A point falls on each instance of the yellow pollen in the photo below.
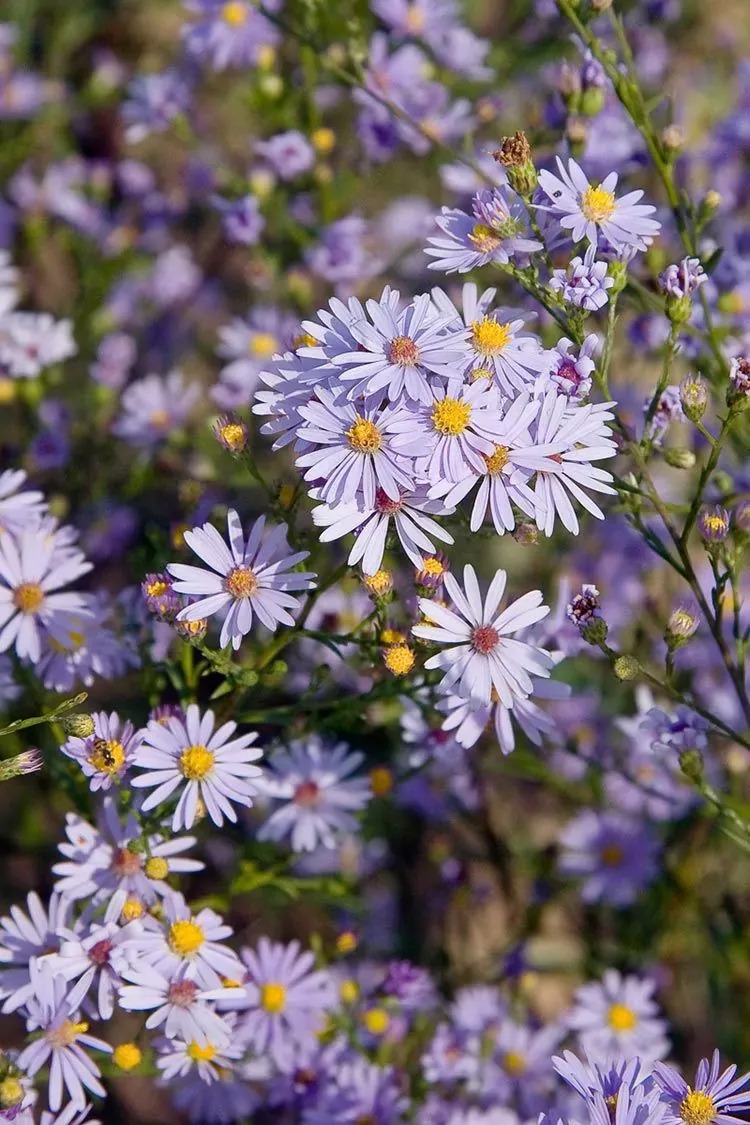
(241, 582)
(712, 523)
(11, 1093)
(196, 762)
(514, 1062)
(480, 373)
(415, 20)
(349, 991)
(612, 855)
(107, 756)
(132, 909)
(127, 1056)
(433, 566)
(484, 239)
(7, 391)
(391, 637)
(381, 781)
(380, 582)
(346, 942)
(199, 1053)
(697, 1108)
(157, 588)
(263, 345)
(488, 336)
(364, 436)
(156, 867)
(67, 1033)
(376, 1021)
(622, 1018)
(597, 204)
(185, 937)
(304, 340)
(451, 417)
(497, 460)
(323, 140)
(75, 640)
(273, 998)
(227, 982)
(234, 13)
(399, 659)
(28, 597)
(233, 435)
(159, 419)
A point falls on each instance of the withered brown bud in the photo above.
(514, 151)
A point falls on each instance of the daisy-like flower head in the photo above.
(619, 1092)
(616, 855)
(469, 722)
(585, 282)
(250, 576)
(714, 1098)
(178, 1002)
(316, 793)
(206, 764)
(285, 1000)
(494, 232)
(29, 342)
(568, 373)
(355, 453)
(190, 939)
(177, 1058)
(19, 510)
(618, 1017)
(24, 937)
(398, 354)
(358, 1090)
(229, 33)
(587, 209)
(479, 653)
(107, 753)
(32, 570)
(61, 1045)
(154, 407)
(96, 957)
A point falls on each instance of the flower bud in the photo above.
(741, 518)
(680, 628)
(693, 397)
(127, 1056)
(738, 392)
(672, 139)
(595, 631)
(79, 725)
(626, 668)
(680, 458)
(231, 433)
(592, 101)
(577, 133)
(29, 761)
(527, 534)
(601, 5)
(691, 764)
(192, 630)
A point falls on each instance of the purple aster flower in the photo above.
(106, 755)
(250, 576)
(229, 33)
(188, 939)
(584, 283)
(178, 1002)
(340, 256)
(24, 938)
(61, 1043)
(177, 1058)
(618, 1093)
(356, 453)
(206, 764)
(314, 793)
(451, 1056)
(684, 279)
(30, 342)
(569, 373)
(495, 232)
(229, 1099)
(115, 356)
(617, 856)
(249, 343)
(479, 654)
(713, 1099)
(739, 376)
(358, 1090)
(412, 521)
(684, 730)
(289, 154)
(470, 722)
(584, 607)
(285, 1001)
(95, 959)
(241, 219)
(618, 1018)
(32, 570)
(153, 102)
(19, 510)
(77, 647)
(588, 210)
(410, 985)
(154, 407)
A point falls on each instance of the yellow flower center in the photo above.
(714, 525)
(399, 659)
(488, 336)
(304, 340)
(11, 1093)
(380, 582)
(263, 345)
(449, 416)
(234, 13)
(364, 436)
(75, 640)
(622, 1018)
(376, 1021)
(28, 597)
(200, 1053)
(433, 566)
(196, 762)
(132, 909)
(273, 998)
(185, 937)
(484, 239)
(127, 1056)
(157, 588)
(156, 867)
(497, 460)
(349, 991)
(597, 204)
(697, 1108)
(381, 781)
(241, 582)
(480, 373)
(66, 1033)
(403, 351)
(323, 140)
(159, 419)
(415, 20)
(233, 435)
(514, 1062)
(107, 755)
(612, 855)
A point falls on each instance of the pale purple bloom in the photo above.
(616, 855)
(178, 1002)
(177, 1059)
(202, 763)
(289, 154)
(618, 1092)
(249, 344)
(494, 232)
(80, 646)
(115, 356)
(668, 410)
(587, 210)
(714, 1098)
(249, 577)
(358, 1090)
(20, 510)
(584, 283)
(154, 407)
(568, 373)
(29, 342)
(684, 730)
(340, 256)
(241, 219)
(618, 1017)
(188, 939)
(153, 102)
(229, 34)
(470, 722)
(106, 754)
(24, 937)
(479, 654)
(32, 570)
(314, 793)
(681, 280)
(95, 958)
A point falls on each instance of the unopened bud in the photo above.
(595, 631)
(691, 764)
(192, 630)
(680, 628)
(680, 458)
(527, 534)
(601, 5)
(672, 139)
(80, 725)
(693, 397)
(626, 668)
(592, 101)
(713, 523)
(741, 518)
(29, 761)
(231, 433)
(577, 133)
